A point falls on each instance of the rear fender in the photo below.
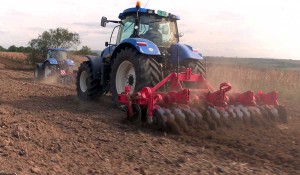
(52, 61)
(143, 46)
(96, 65)
(185, 52)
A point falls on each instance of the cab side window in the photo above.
(127, 28)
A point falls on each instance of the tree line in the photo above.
(53, 38)
(14, 48)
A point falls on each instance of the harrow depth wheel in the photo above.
(158, 120)
(137, 114)
(282, 114)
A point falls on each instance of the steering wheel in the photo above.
(153, 37)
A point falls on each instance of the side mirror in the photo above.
(181, 34)
(103, 21)
(106, 44)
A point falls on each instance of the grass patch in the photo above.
(285, 82)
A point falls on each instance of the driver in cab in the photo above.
(154, 34)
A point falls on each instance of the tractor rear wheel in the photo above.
(86, 86)
(133, 69)
(197, 67)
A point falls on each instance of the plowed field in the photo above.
(45, 129)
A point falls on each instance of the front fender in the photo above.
(52, 61)
(185, 52)
(143, 46)
(96, 62)
(69, 62)
(106, 53)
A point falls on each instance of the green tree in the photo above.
(53, 38)
(85, 50)
(27, 49)
(21, 49)
(12, 48)
(2, 48)
(35, 56)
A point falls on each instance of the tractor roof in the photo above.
(57, 49)
(147, 11)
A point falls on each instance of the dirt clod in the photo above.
(35, 170)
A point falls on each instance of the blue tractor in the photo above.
(146, 49)
(57, 65)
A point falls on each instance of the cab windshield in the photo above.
(160, 30)
(58, 55)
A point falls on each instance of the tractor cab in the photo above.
(59, 54)
(160, 29)
(59, 57)
(156, 26)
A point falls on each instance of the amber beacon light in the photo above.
(138, 4)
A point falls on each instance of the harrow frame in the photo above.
(151, 99)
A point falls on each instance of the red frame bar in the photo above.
(267, 98)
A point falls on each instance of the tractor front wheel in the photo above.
(133, 69)
(48, 70)
(87, 86)
(38, 72)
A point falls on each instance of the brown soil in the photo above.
(45, 129)
(13, 64)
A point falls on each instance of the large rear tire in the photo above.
(133, 69)
(197, 67)
(87, 86)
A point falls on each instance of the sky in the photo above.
(230, 28)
